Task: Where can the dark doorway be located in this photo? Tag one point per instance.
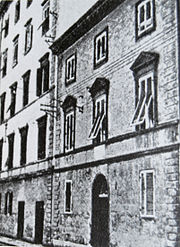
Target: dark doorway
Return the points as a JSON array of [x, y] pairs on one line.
[[100, 213], [20, 228], [39, 222]]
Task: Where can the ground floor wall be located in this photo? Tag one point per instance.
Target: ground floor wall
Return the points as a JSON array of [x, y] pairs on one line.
[[35, 194], [126, 226]]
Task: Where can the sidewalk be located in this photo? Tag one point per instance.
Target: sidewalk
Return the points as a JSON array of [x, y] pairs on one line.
[[5, 241]]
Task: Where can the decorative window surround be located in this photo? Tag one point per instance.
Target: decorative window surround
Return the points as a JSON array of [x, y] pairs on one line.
[[145, 17], [101, 48], [147, 194], [71, 69]]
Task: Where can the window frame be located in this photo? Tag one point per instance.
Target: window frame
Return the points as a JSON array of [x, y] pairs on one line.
[[8, 203], [23, 146], [70, 198], [45, 19], [43, 75], [42, 136], [15, 50], [147, 29], [6, 27], [26, 79], [1, 153], [2, 107], [69, 139], [17, 11], [144, 205], [72, 70], [12, 106], [28, 36], [10, 158], [103, 58], [4, 67]]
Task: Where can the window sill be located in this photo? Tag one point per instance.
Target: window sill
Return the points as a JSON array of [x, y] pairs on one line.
[[27, 51], [147, 217], [145, 32], [100, 63], [14, 64], [70, 81]]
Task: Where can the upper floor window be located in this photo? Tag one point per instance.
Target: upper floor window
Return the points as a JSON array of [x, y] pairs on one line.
[[68, 196], [17, 11], [26, 78], [10, 158], [8, 203], [99, 92], [6, 27], [28, 36], [71, 69], [145, 17], [43, 75], [69, 107], [101, 48], [42, 126], [12, 106], [145, 114], [4, 63], [147, 197], [45, 16], [2, 107], [23, 133], [29, 2], [0, 202], [1, 153], [15, 52]]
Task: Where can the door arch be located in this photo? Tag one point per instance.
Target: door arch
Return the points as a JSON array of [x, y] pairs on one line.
[[100, 212]]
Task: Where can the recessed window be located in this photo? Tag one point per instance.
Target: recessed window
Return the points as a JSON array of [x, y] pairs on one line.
[[2, 107], [71, 69], [12, 106], [26, 78], [145, 114], [69, 107], [99, 92], [23, 133], [1, 152], [8, 203], [43, 75], [6, 27], [17, 11], [9, 162], [147, 194], [42, 125], [45, 16], [15, 52], [4, 63], [68, 196], [101, 48], [28, 36], [0, 202], [145, 17], [29, 2]]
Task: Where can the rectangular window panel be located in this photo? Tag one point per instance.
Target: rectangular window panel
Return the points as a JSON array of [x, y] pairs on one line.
[[2, 107], [15, 53], [42, 124], [68, 196], [26, 78], [6, 28], [28, 36], [12, 106], [1, 153], [17, 11], [23, 133], [71, 69], [10, 151], [4, 66], [45, 17], [69, 131], [147, 200], [43, 76]]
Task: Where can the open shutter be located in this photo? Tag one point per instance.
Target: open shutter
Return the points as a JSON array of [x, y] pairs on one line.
[[39, 82]]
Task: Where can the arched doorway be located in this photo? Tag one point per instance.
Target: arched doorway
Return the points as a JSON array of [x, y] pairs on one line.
[[100, 213]]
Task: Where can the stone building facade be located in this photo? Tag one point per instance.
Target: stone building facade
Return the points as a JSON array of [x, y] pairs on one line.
[[116, 173], [26, 132]]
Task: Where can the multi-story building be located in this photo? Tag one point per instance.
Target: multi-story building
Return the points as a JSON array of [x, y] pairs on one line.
[[26, 121], [116, 173]]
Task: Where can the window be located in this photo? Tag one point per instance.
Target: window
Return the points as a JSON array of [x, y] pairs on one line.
[[17, 11], [69, 106], [4, 66], [1, 152], [145, 114], [15, 53], [71, 69], [8, 203], [145, 17], [6, 27], [68, 196], [9, 162], [43, 76], [29, 2], [28, 36], [12, 106], [42, 123], [99, 92], [45, 17], [0, 202], [2, 107], [147, 195], [101, 48], [23, 133], [26, 78]]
